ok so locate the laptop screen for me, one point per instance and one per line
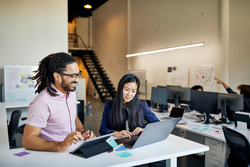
(176, 112)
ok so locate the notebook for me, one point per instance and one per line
(154, 132)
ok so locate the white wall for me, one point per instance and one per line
(166, 23)
(82, 29)
(110, 38)
(239, 58)
(31, 30)
(223, 26)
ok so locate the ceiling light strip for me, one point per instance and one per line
(163, 50)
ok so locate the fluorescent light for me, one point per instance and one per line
(163, 50)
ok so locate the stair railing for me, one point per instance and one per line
(75, 37)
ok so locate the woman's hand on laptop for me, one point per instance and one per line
(122, 133)
(137, 131)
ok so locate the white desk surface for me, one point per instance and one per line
(171, 148)
(207, 130)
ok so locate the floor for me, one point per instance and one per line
(95, 120)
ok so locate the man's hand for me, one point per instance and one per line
(71, 138)
(122, 133)
(86, 135)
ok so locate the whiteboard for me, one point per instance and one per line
(141, 74)
(178, 75)
(204, 76)
(16, 85)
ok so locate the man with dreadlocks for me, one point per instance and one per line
(52, 123)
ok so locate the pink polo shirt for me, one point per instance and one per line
(55, 115)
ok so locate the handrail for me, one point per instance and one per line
(78, 36)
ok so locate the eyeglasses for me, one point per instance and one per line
(73, 76)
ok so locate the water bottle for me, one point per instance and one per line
(89, 109)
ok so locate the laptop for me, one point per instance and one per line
(153, 132)
(175, 113)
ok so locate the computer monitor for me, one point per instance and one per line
(159, 95)
(229, 103)
(204, 102)
(178, 95)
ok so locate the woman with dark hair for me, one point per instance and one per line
(125, 115)
(244, 90)
(197, 87)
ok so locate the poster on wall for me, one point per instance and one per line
(178, 75)
(204, 76)
(141, 74)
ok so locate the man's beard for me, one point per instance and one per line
(67, 86)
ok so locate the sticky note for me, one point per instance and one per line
(195, 129)
(112, 143)
(21, 87)
(205, 128)
(201, 130)
(26, 75)
(22, 154)
(121, 148)
(218, 133)
(124, 154)
(29, 82)
(21, 75)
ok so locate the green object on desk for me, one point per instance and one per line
(112, 143)
(124, 154)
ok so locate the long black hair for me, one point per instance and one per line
(56, 62)
(117, 110)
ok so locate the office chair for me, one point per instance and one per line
(21, 128)
(239, 148)
(13, 126)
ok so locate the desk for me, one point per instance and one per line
(210, 135)
(171, 148)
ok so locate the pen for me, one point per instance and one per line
(85, 131)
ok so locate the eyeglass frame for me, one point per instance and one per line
(73, 76)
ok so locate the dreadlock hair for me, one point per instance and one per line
(56, 62)
(116, 116)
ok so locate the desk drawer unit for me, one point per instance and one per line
(209, 162)
(216, 156)
(214, 144)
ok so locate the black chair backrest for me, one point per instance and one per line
(13, 125)
(239, 147)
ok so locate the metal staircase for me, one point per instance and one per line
(97, 74)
